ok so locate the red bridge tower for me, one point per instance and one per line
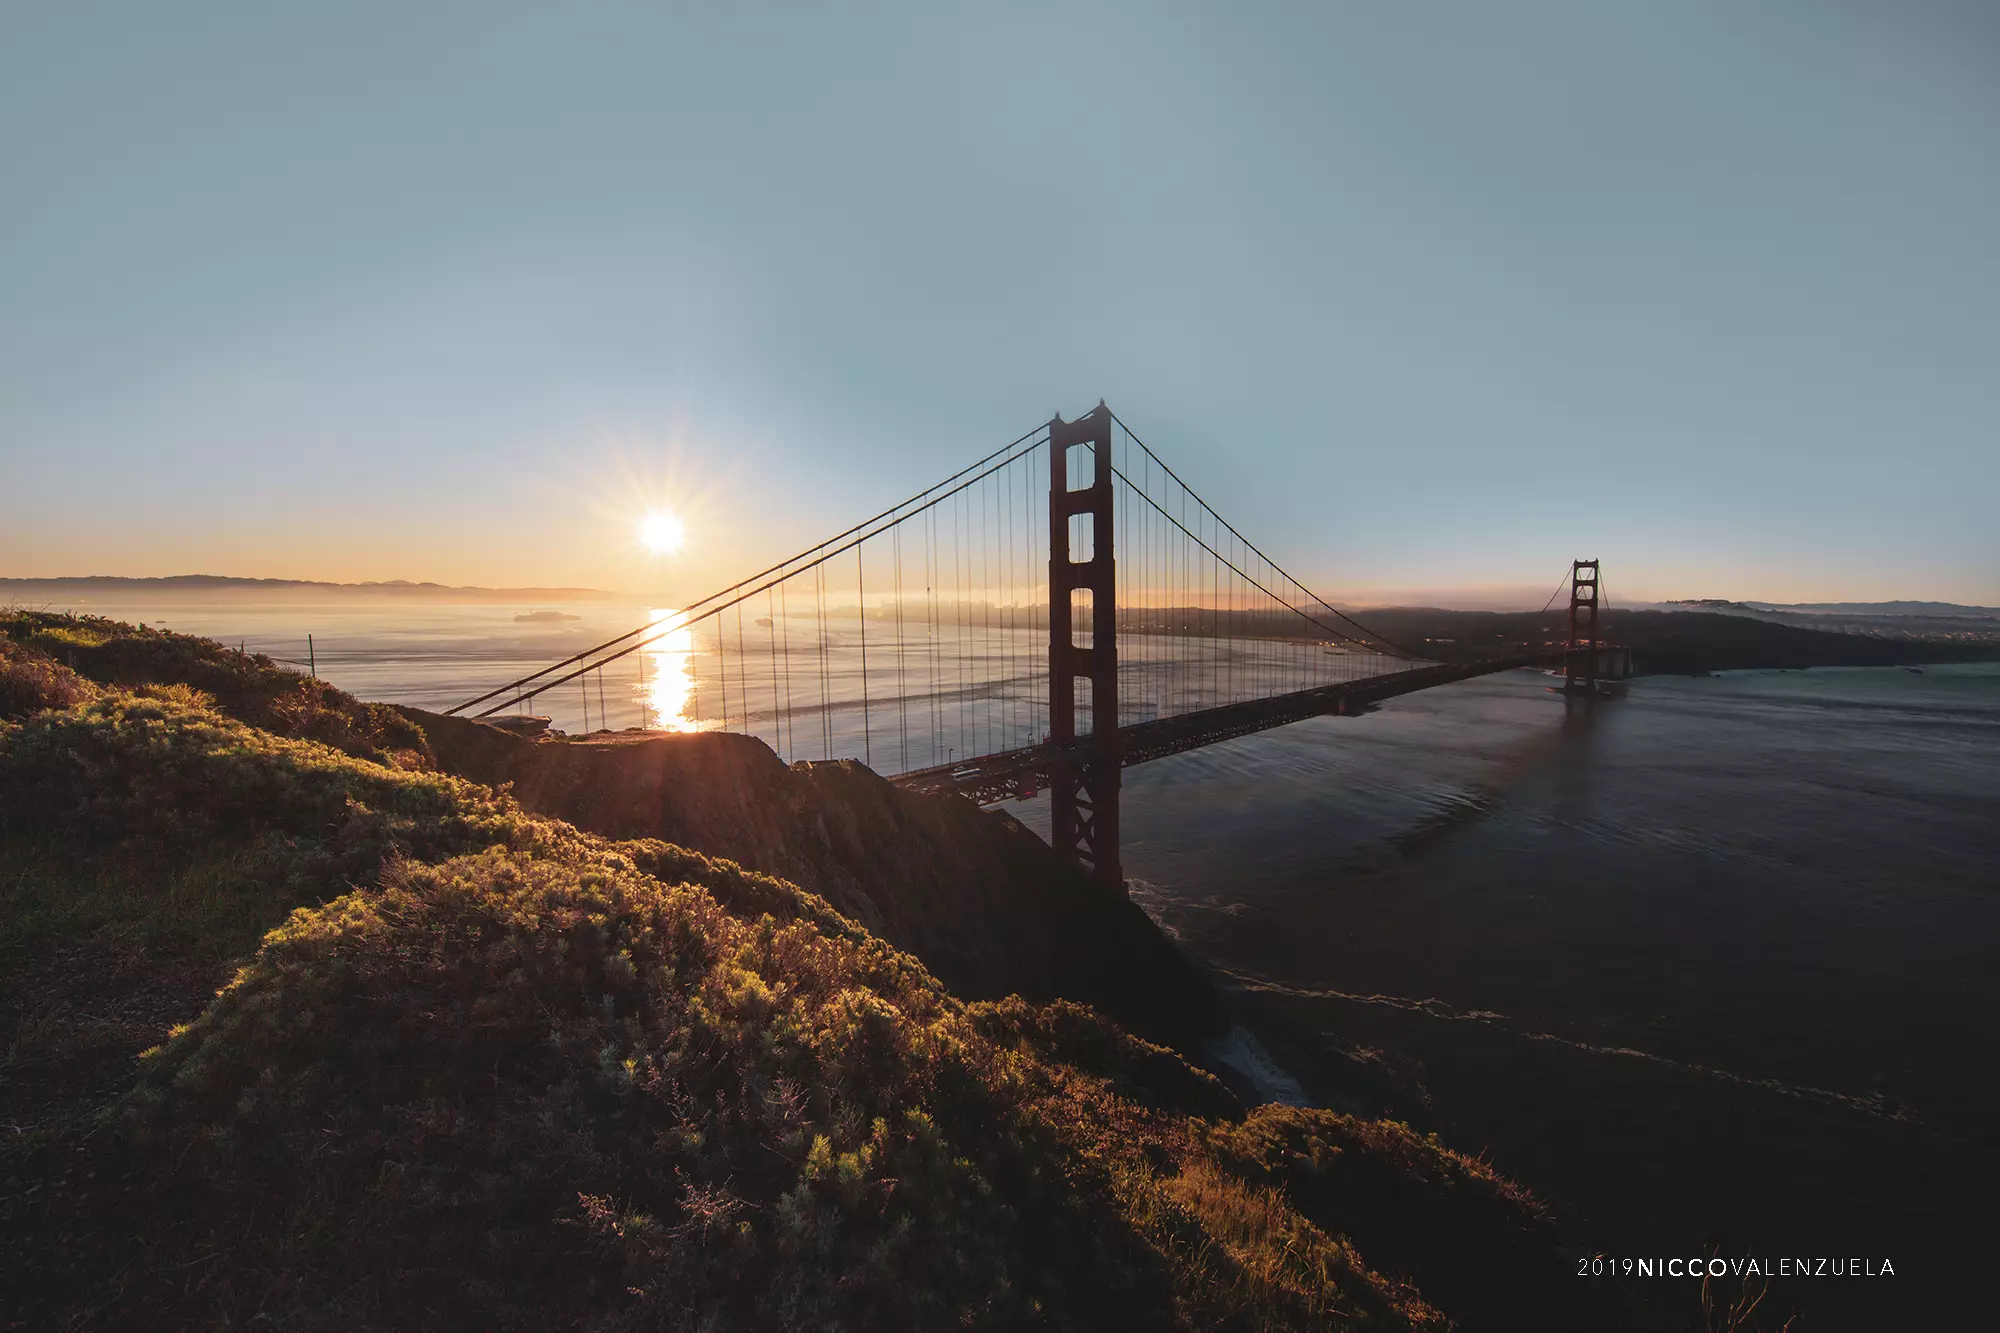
(1587, 658)
(1083, 792)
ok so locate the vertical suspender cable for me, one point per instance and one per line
(902, 699)
(771, 642)
(1009, 720)
(961, 553)
(931, 629)
(985, 631)
(861, 596)
(785, 655)
(742, 670)
(825, 723)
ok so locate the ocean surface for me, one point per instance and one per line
(1780, 881)
(1714, 967)
(1786, 875)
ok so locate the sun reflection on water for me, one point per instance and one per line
(668, 695)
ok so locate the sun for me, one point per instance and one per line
(660, 532)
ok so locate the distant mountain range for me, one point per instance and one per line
(13, 589)
(1934, 610)
(1880, 608)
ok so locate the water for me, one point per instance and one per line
(431, 653)
(914, 687)
(1787, 875)
(1711, 967)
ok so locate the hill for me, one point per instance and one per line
(1948, 610)
(980, 898)
(1678, 642)
(472, 1066)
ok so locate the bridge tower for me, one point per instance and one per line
(1083, 792)
(1580, 654)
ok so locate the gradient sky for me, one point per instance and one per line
(1422, 295)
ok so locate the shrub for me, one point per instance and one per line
(1074, 1035)
(30, 682)
(164, 765)
(248, 686)
(1469, 1237)
(503, 1084)
(154, 813)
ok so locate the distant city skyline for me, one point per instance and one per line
(1426, 301)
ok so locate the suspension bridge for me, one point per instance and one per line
(1058, 611)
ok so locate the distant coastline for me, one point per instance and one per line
(13, 589)
(1871, 610)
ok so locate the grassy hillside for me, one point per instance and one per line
(981, 899)
(470, 1066)
(249, 686)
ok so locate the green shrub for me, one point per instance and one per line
(247, 686)
(164, 765)
(30, 682)
(153, 813)
(744, 892)
(1074, 1035)
(1469, 1237)
(504, 1083)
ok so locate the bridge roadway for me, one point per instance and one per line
(1013, 773)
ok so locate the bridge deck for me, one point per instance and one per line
(1022, 772)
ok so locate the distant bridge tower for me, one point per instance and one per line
(1083, 793)
(1580, 654)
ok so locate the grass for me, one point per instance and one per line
(470, 1067)
(247, 686)
(153, 813)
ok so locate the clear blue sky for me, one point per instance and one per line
(1424, 296)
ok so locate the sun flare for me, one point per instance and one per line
(661, 532)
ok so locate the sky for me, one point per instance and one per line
(1421, 296)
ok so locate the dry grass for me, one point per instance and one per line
(31, 681)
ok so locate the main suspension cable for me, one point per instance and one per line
(682, 617)
(1254, 547)
(1305, 615)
